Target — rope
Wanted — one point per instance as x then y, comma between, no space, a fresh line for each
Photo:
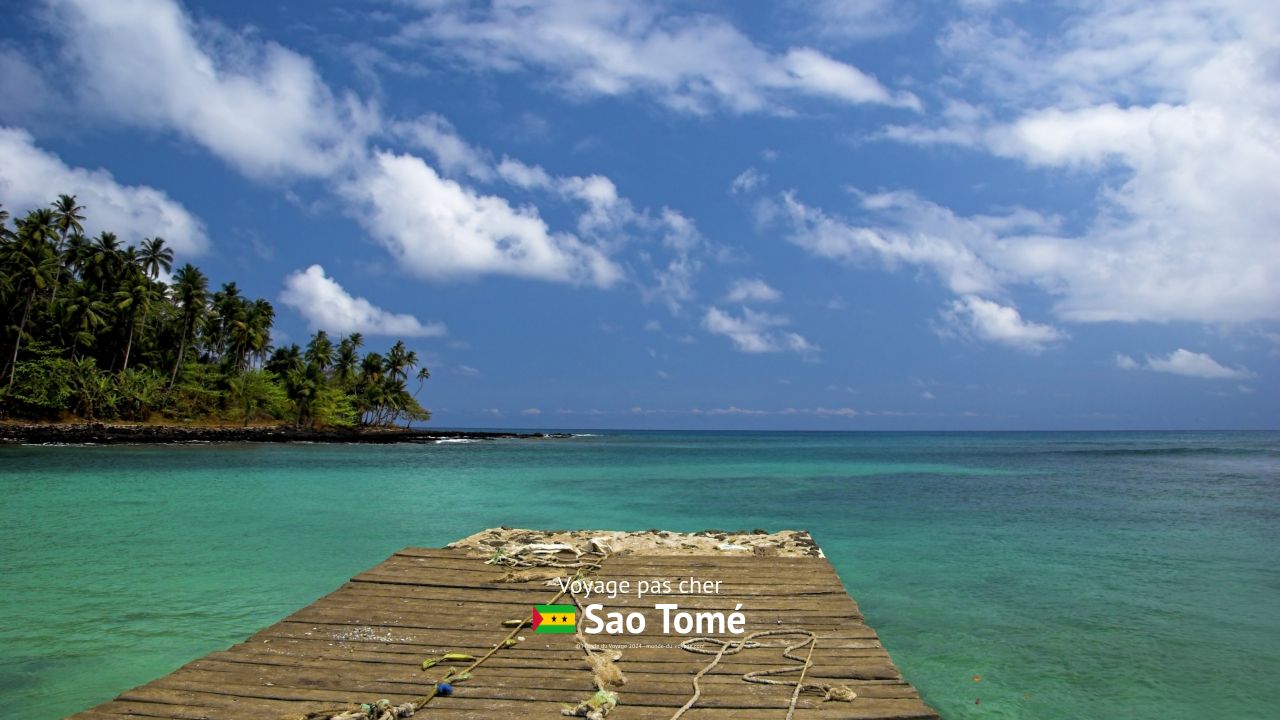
384,710
808,661
733,647
604,674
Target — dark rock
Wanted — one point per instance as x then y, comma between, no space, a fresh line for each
101,434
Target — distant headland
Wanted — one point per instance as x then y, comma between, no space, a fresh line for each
120,434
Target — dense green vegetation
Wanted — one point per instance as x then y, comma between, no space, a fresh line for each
90,331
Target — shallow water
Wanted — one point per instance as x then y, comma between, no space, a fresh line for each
1080,575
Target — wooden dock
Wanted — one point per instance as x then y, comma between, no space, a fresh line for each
367,641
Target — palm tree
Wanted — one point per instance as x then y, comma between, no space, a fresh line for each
400,360
84,314
31,266
227,306
191,290
285,360
320,351
67,217
77,254
423,375
258,331
154,257
131,300
369,385
103,259
345,361
301,386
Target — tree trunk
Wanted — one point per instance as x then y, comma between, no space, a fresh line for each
182,348
17,343
128,346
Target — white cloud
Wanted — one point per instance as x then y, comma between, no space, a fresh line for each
467,371
815,73
852,20
691,63
326,305
1188,363
751,290
1174,108
531,411
845,412
731,410
922,234
796,343
455,156
27,96
991,321
754,332
439,228
1125,362
747,181
258,106
611,222
31,177
266,110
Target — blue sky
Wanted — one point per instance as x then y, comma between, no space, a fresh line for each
795,215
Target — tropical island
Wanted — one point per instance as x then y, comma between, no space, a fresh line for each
101,342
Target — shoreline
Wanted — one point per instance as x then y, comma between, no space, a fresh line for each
136,434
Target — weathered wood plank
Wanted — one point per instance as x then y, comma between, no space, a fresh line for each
366,641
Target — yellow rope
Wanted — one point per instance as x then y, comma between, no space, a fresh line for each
808,661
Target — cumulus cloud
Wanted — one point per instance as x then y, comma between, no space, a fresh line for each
327,306
751,290
31,177
911,232
439,228
691,63
756,332
259,106
1125,362
266,111
747,181
1174,109
611,222
987,320
1187,363
455,156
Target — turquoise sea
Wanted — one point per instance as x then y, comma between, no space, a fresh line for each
1081,575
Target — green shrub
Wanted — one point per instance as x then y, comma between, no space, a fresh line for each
257,395
41,388
140,393
333,407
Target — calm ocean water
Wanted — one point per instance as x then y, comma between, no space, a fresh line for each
1081,575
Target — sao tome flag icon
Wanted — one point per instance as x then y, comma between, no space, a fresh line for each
554,618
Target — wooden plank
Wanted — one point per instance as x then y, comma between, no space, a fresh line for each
366,641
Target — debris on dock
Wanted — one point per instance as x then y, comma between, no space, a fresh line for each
665,626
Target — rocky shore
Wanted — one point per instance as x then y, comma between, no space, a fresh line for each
512,542
117,434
